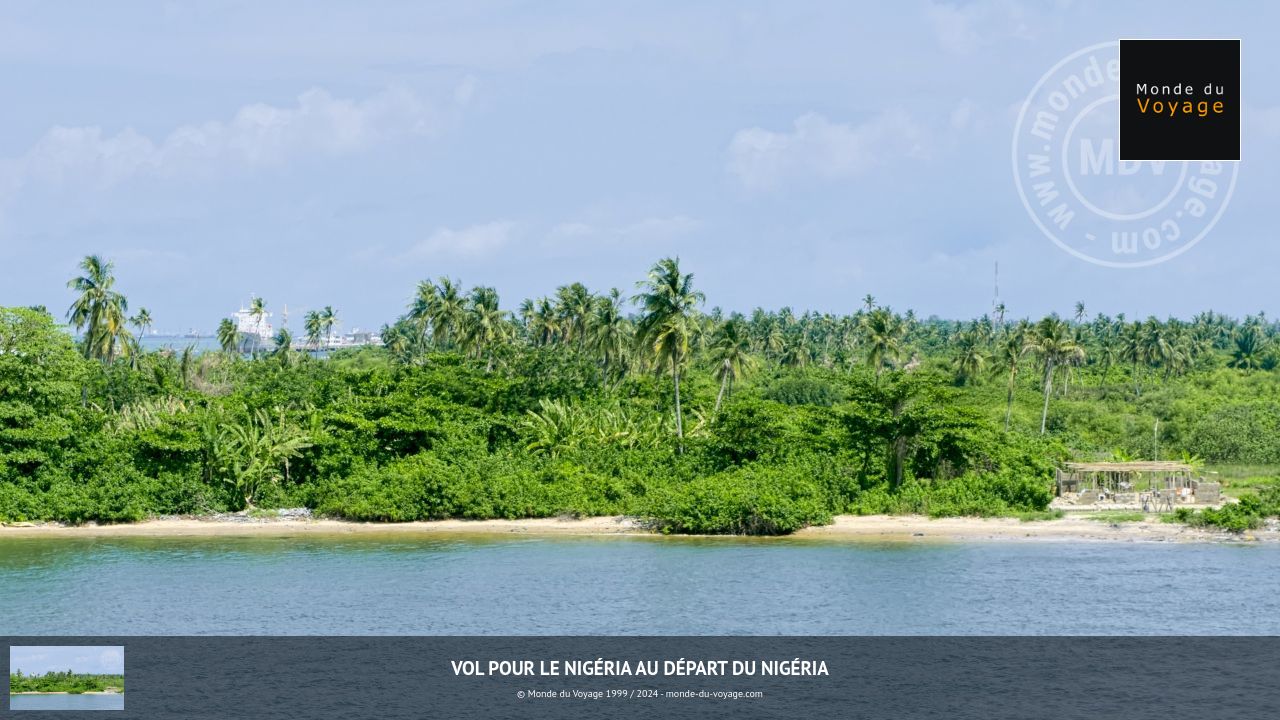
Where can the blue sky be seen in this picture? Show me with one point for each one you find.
(89, 659)
(800, 154)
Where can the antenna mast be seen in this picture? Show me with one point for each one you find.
(995, 296)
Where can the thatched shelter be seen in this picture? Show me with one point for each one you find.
(1121, 481)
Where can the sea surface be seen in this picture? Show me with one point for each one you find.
(178, 344)
(66, 702)
(631, 586)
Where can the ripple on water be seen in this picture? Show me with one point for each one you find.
(629, 585)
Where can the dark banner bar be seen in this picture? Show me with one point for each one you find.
(690, 677)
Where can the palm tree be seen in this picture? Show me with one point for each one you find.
(484, 324)
(574, 304)
(258, 311)
(228, 336)
(313, 325)
(775, 343)
(283, 350)
(99, 310)
(608, 330)
(395, 340)
(970, 360)
(1134, 349)
(668, 304)
(142, 321)
(257, 452)
(730, 353)
(541, 322)
(794, 353)
(883, 333)
(1052, 341)
(1011, 350)
(448, 313)
(328, 319)
(1251, 347)
(185, 363)
(421, 309)
(1107, 349)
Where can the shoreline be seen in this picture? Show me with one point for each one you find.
(63, 692)
(852, 528)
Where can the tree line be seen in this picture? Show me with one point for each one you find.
(644, 402)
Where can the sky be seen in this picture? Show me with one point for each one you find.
(791, 154)
(87, 659)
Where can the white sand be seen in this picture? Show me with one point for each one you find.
(909, 528)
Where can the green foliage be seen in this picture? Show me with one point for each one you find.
(975, 494)
(742, 501)
(64, 681)
(804, 390)
(1117, 516)
(40, 385)
(1247, 514)
(701, 422)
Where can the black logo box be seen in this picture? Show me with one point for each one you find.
(1186, 67)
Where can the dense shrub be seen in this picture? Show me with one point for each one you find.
(545, 426)
(1247, 514)
(743, 501)
(978, 494)
(804, 391)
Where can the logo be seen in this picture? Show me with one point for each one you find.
(1082, 196)
(1180, 100)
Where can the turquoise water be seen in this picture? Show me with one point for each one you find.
(629, 585)
(178, 344)
(66, 702)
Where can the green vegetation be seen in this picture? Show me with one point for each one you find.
(64, 682)
(588, 403)
(1118, 516)
(1248, 514)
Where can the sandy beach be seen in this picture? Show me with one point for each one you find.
(906, 528)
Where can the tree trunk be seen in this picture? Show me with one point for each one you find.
(1008, 412)
(724, 382)
(899, 460)
(675, 374)
(1048, 390)
(897, 448)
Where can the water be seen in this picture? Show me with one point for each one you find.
(631, 586)
(66, 702)
(178, 344)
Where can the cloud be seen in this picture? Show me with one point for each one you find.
(816, 147)
(962, 28)
(954, 27)
(476, 241)
(647, 229)
(111, 660)
(257, 135)
(1263, 121)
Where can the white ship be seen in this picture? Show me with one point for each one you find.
(257, 332)
(254, 329)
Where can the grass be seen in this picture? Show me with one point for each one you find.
(1117, 516)
(1239, 480)
(1038, 515)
